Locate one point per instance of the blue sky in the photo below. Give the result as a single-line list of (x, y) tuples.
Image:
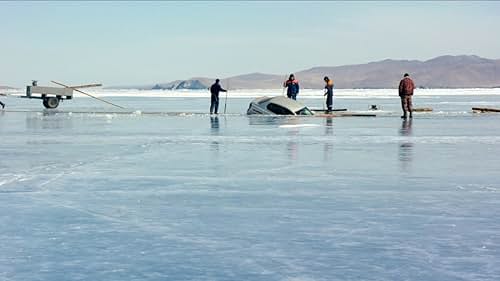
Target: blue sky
[(129, 43)]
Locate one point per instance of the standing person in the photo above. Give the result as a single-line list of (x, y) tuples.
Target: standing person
[(214, 99), (406, 87), (292, 86), (329, 93)]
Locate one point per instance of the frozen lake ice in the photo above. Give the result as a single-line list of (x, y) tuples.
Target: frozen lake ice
[(104, 196)]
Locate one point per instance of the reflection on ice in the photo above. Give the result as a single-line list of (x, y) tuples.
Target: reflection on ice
[(256, 120), (214, 124), (406, 146), (292, 144), (328, 146), (48, 120), (214, 131)]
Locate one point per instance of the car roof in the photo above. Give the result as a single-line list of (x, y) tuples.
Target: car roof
[(292, 105)]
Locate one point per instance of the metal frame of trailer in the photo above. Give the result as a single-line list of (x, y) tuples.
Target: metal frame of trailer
[(50, 96)]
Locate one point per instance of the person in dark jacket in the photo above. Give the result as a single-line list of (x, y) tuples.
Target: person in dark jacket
[(406, 87), (329, 93), (292, 86), (214, 100)]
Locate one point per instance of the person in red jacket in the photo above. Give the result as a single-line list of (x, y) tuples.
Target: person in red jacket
[(292, 86), (406, 87)]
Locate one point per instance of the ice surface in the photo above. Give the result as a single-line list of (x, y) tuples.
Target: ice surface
[(138, 196)]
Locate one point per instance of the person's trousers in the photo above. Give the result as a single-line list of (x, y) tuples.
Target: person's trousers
[(214, 104), (406, 104), (292, 96), (329, 101)]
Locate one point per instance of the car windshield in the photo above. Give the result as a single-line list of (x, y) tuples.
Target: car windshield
[(304, 111)]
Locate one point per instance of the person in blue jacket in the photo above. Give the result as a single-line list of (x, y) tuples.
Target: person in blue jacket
[(292, 86), (214, 100)]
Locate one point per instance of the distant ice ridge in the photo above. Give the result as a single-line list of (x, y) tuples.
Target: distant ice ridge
[(304, 93)]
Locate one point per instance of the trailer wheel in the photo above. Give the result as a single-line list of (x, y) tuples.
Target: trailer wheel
[(51, 102)]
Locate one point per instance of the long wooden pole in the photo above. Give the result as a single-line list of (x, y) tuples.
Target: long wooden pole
[(284, 87), (86, 86), (75, 89), (225, 102)]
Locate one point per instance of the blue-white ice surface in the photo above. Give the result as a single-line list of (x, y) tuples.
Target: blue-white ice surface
[(160, 197)]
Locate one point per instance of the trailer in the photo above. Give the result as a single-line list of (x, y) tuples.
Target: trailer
[(51, 96)]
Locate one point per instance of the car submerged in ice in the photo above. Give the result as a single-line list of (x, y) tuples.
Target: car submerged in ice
[(277, 106)]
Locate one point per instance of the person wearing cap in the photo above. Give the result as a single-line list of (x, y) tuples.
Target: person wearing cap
[(406, 87), (329, 93), (215, 89), (292, 86)]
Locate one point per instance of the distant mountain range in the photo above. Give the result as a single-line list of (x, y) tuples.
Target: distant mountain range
[(440, 72)]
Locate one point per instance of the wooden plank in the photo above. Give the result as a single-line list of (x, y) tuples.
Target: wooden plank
[(422, 109), (485, 109), (358, 115), (324, 110), (347, 114)]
